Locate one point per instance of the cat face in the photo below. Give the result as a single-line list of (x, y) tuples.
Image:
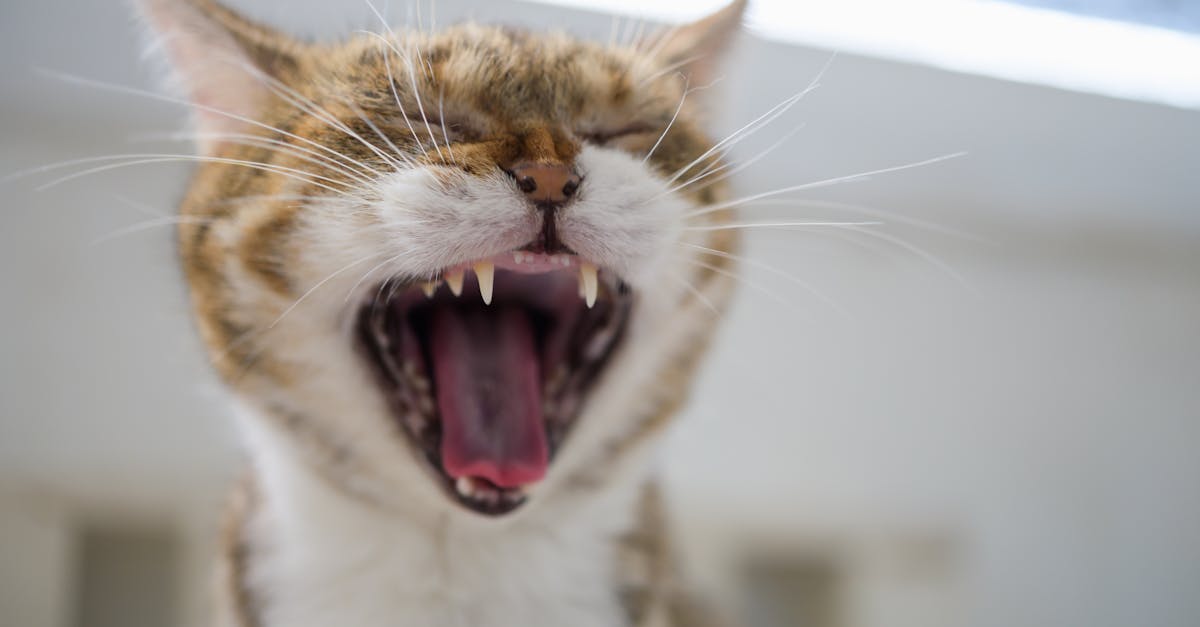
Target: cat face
[(457, 270)]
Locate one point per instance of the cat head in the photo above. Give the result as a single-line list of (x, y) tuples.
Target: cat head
[(467, 270)]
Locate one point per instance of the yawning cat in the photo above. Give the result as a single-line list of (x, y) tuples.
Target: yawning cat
[(458, 283)]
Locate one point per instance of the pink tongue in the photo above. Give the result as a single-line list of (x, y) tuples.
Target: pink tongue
[(489, 395)]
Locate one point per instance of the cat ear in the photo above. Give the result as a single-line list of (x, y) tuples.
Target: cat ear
[(222, 61), (697, 48)]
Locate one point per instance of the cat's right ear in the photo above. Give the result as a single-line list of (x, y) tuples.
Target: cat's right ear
[(223, 62)]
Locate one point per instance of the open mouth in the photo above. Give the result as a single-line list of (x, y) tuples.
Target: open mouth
[(486, 368)]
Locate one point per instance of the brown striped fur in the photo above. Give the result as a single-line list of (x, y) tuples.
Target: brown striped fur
[(263, 210)]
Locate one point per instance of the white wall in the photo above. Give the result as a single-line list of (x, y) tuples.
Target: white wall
[(1031, 438)]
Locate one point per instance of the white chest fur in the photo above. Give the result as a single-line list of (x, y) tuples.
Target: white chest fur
[(320, 558)]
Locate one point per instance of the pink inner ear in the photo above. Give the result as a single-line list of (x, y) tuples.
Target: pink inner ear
[(212, 68), (699, 46)]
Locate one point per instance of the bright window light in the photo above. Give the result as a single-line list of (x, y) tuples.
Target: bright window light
[(999, 39)]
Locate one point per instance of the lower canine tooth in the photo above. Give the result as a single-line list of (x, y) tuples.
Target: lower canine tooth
[(588, 283), (465, 486), (485, 271), (455, 281)]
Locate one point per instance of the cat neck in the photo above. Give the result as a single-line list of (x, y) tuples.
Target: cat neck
[(316, 556)]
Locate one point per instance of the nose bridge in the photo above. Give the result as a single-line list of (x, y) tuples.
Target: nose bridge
[(545, 170)]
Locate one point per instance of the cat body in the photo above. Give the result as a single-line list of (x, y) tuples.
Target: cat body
[(457, 283)]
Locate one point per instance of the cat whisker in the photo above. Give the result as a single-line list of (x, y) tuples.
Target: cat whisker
[(387, 64), (368, 273), (442, 117), (767, 267), (670, 69), (279, 146), (890, 216), (307, 105), (148, 225), (411, 73), (317, 286), (822, 183), (752, 285), (300, 175), (765, 225), (922, 253), (400, 157), (417, 95), (154, 96), (704, 300), (754, 125), (671, 123), (725, 167)]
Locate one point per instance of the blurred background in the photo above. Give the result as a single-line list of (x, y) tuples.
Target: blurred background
[(984, 412)]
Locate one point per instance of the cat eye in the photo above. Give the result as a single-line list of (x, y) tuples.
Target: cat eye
[(449, 129), (603, 136)]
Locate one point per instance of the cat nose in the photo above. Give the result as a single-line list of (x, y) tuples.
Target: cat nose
[(546, 184)]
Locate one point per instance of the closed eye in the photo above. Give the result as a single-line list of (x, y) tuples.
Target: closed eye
[(603, 136), (442, 129)]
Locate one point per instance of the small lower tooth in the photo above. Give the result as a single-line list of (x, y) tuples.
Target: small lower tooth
[(455, 281), (465, 487)]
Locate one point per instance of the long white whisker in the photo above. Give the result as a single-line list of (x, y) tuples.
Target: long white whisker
[(387, 64), (148, 94), (666, 130), (764, 266), (762, 225), (318, 285), (920, 252), (147, 225), (299, 175), (736, 168), (821, 183), (282, 147), (744, 281), (368, 273), (442, 117), (401, 157), (411, 73), (695, 292), (754, 125), (890, 216), (307, 105)]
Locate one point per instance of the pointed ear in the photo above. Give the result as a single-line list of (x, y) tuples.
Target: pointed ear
[(219, 60), (698, 48)]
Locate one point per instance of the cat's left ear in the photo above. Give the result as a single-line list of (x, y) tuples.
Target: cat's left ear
[(698, 48), (223, 62)]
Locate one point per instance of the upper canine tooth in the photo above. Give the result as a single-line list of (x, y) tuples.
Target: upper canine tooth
[(429, 288), (588, 283), (485, 271), (455, 280)]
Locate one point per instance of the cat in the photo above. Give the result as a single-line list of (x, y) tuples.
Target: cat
[(457, 283)]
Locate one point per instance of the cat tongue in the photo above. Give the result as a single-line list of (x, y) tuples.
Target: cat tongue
[(489, 395)]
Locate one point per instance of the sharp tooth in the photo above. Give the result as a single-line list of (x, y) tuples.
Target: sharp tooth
[(465, 487), (587, 283), (429, 288), (485, 271), (454, 280)]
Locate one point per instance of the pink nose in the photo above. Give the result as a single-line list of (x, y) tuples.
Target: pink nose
[(546, 183)]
